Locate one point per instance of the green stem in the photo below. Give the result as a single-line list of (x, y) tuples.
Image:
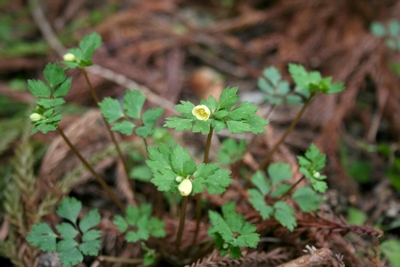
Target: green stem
[(181, 221), (93, 172), (267, 158), (198, 196), (96, 99)]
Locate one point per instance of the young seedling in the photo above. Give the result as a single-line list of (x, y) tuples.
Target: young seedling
[(75, 239), (275, 187)]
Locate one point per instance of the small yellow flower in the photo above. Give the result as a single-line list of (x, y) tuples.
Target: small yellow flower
[(36, 117), (185, 187), (201, 112), (69, 57)]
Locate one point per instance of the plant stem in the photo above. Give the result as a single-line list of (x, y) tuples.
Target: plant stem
[(291, 188), (265, 161), (94, 173), (208, 145), (96, 99), (181, 221), (198, 196)]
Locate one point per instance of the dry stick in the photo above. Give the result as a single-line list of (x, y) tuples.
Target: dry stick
[(198, 196), (265, 161), (96, 99), (181, 221), (94, 173)]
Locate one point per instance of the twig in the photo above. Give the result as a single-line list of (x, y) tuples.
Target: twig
[(265, 161), (93, 172)]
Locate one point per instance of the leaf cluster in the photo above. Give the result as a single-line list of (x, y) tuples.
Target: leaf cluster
[(50, 95), (121, 117), (230, 231), (84, 51), (69, 250), (167, 163), (311, 165), (277, 91), (276, 186), (138, 224), (312, 82), (238, 119), (231, 151)]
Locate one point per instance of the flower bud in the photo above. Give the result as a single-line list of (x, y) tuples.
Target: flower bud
[(36, 117), (316, 174), (69, 57), (201, 112), (225, 246), (178, 179), (185, 187)]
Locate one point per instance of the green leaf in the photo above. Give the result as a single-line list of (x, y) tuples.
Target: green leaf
[(336, 88), (54, 74), (390, 248), (144, 131), (201, 126), (39, 89), (90, 248), (257, 124), (186, 109), (91, 243), (242, 111), (265, 86), (89, 44), (44, 128), (151, 116), (261, 182), (273, 75), (91, 235), (238, 127), (232, 231), (179, 157), (63, 88), (178, 123), (111, 109), (228, 98), (356, 216), (212, 177), (149, 256), (124, 127), (50, 103), (280, 190), (90, 220), (160, 165), (284, 214), (257, 201), (394, 28), (66, 230), (133, 103), (156, 228), (66, 244), (69, 209), (42, 237), (377, 29), (70, 257), (307, 199), (141, 173), (283, 88), (231, 151), (279, 172), (360, 171), (211, 103), (217, 125), (120, 222)]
